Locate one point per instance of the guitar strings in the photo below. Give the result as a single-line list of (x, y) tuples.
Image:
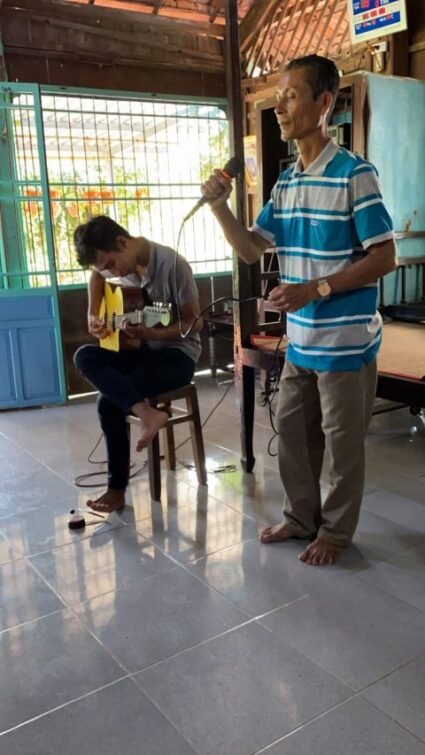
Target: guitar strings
[(79, 480)]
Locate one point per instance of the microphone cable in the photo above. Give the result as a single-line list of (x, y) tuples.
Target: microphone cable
[(80, 480), (187, 332)]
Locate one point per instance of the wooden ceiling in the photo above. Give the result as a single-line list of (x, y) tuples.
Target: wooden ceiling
[(275, 31), (211, 11), (271, 31)]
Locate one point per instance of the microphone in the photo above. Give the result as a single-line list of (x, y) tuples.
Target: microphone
[(232, 169)]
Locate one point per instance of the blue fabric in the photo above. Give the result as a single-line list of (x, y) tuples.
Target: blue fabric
[(320, 220)]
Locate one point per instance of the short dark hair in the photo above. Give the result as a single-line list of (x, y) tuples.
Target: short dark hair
[(98, 234), (322, 73)]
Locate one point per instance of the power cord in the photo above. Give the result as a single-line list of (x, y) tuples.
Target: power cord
[(186, 333), (269, 399), (79, 481), (275, 369), (224, 467)]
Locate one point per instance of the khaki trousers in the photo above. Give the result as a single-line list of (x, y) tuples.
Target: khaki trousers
[(318, 412)]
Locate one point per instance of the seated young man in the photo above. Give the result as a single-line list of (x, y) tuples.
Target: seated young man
[(164, 361)]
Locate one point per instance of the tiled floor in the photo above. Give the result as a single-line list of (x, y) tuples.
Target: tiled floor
[(174, 632)]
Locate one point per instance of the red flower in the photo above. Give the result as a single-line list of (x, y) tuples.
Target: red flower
[(72, 209)]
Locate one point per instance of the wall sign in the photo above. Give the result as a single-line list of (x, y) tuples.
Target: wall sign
[(370, 19)]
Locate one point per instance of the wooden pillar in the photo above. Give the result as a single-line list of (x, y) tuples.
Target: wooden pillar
[(398, 59), (3, 70), (243, 275)]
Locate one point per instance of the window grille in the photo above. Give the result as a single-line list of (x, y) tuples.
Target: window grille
[(138, 161)]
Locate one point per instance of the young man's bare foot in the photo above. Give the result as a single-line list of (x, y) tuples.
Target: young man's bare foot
[(152, 420), (277, 534), (112, 500), (320, 553)]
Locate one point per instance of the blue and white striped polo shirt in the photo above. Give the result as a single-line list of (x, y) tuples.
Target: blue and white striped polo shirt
[(321, 220)]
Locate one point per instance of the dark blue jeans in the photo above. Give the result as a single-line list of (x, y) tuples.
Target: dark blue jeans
[(123, 379)]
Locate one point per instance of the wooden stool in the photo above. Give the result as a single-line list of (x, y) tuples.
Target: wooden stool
[(191, 415)]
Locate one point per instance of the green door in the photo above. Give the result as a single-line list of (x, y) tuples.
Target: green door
[(31, 362)]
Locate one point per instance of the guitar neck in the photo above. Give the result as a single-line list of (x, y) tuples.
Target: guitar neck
[(133, 318), (150, 316)]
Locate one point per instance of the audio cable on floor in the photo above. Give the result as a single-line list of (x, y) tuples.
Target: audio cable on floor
[(80, 480)]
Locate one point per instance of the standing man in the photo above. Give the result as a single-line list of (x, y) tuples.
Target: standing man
[(165, 360), (334, 239)]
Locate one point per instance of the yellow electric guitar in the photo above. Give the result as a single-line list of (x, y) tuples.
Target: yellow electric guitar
[(128, 303)]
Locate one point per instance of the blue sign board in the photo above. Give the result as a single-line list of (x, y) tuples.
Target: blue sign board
[(370, 19)]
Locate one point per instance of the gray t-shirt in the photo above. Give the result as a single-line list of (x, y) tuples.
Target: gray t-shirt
[(159, 284)]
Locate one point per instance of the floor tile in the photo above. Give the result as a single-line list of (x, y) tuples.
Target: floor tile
[(161, 616), (259, 578), (6, 551), (48, 662), (23, 489), (229, 438), (258, 495), (402, 576), (239, 692), (12, 454), (401, 696), (117, 719), (379, 539), (174, 493), (47, 440), (193, 531), (354, 631), (91, 567), (405, 453), (410, 487), (217, 458), (24, 595), (397, 508), (174, 583), (47, 527), (393, 425), (354, 728)]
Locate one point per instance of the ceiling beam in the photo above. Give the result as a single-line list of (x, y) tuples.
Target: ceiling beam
[(103, 59), (284, 35), (253, 22), (307, 20), (338, 23), (149, 40), (99, 15), (310, 41)]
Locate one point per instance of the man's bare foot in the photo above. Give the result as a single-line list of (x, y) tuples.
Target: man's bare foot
[(277, 534), (112, 500), (320, 553), (153, 420)]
